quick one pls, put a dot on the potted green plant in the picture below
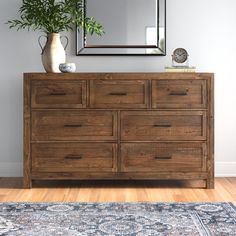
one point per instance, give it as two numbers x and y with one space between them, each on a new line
53 17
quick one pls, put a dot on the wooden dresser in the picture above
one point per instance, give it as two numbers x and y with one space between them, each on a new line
118 126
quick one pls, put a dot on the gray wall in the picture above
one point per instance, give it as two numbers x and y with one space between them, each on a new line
205 28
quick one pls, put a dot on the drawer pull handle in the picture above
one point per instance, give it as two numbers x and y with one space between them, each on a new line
118 94
73 157
73 126
163 158
178 93
57 94
66 174
162 126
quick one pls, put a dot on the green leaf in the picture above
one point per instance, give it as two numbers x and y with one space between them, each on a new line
52 16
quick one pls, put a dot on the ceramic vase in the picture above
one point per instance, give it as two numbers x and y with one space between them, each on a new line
53 53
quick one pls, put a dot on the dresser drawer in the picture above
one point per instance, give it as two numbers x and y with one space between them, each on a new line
159 125
67 157
119 94
163 157
73 125
58 94
179 94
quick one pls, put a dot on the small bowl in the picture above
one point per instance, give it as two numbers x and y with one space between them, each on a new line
67 67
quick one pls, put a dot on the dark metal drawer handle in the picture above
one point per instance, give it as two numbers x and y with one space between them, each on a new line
73 157
163 158
118 94
164 126
73 126
57 94
178 93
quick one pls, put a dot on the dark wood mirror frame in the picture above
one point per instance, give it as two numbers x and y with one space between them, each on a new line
83 49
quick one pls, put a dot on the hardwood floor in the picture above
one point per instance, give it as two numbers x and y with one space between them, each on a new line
118 191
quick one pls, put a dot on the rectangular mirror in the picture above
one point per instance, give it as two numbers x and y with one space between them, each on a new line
132 27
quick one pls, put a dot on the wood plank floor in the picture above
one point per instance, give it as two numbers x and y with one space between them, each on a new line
118 191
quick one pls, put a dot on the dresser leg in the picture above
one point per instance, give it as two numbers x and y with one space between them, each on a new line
210 183
27 183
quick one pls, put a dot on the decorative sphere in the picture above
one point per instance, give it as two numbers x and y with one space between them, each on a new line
67 67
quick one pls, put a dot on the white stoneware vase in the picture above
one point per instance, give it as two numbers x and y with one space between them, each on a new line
53 53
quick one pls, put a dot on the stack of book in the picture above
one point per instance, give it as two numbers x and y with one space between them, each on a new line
180 69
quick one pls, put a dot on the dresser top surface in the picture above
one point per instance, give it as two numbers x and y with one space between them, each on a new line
118 75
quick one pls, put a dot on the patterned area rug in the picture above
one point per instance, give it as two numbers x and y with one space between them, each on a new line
141 219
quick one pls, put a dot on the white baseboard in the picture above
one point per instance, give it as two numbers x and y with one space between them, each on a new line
225 169
15 169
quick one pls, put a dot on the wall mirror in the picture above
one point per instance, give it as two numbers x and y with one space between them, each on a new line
132 27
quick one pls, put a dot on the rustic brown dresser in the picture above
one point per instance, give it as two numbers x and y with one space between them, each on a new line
119 126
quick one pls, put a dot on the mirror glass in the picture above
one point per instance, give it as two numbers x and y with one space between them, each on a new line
132 27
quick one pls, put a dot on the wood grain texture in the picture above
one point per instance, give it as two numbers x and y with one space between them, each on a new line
58 94
163 125
154 175
72 125
73 157
117 76
27 130
179 94
119 126
118 191
119 94
210 129
163 157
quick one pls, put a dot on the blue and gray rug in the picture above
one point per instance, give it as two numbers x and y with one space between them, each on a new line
133 219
